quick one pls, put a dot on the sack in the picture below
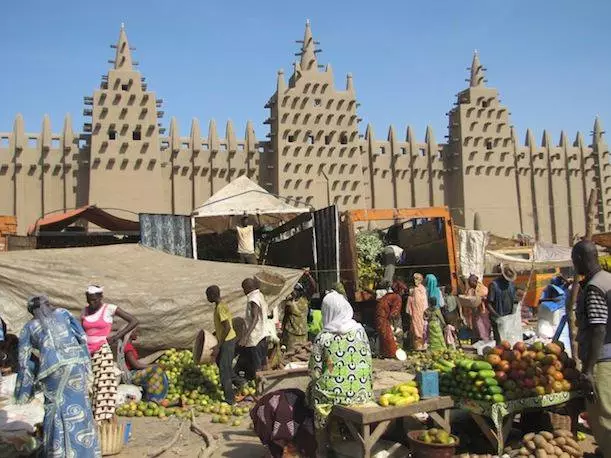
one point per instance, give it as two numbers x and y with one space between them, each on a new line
128 393
510 326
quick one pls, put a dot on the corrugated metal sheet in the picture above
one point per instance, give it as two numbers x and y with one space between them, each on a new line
169 233
327 246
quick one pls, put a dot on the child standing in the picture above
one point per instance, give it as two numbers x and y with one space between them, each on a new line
436 325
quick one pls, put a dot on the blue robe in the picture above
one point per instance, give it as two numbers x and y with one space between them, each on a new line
54 357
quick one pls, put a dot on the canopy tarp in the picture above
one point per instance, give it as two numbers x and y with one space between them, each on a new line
544 255
242 197
59 221
164 292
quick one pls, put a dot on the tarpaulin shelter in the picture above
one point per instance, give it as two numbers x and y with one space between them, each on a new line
57 222
544 255
240 197
164 292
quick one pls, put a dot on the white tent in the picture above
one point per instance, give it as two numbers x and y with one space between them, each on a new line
544 255
241 197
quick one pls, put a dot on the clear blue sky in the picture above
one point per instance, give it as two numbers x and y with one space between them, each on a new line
213 59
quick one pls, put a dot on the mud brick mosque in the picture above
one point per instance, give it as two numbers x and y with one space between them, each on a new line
313 154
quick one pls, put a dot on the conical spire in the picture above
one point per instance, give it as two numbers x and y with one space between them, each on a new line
68 133
230 137
579 141
563 139
18 132
308 48
196 135
429 138
174 135
45 138
281 84
530 139
597 133
546 141
213 138
250 137
392 139
349 83
477 72
123 56
369 136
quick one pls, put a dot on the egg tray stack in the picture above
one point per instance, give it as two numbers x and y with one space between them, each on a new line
106 392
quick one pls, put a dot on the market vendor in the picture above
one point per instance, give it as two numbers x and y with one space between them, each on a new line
150 377
246 241
501 298
340 364
295 320
97 320
416 306
478 318
594 340
435 338
388 311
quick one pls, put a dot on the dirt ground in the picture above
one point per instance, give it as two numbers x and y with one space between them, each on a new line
150 435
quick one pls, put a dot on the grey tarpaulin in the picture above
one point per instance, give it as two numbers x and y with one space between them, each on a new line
165 292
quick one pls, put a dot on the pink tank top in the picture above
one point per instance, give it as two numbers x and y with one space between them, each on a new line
97 326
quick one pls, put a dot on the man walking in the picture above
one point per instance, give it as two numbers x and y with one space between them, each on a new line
501 298
594 341
226 337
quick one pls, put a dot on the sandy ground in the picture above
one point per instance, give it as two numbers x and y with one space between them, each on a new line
149 435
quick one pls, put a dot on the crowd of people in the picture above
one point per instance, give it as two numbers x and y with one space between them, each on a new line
60 353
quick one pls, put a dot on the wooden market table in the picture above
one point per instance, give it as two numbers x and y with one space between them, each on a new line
502 414
272 380
361 420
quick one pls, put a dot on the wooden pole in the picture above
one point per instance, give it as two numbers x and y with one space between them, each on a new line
570 306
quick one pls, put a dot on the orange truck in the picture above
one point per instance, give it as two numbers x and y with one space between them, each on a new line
427 238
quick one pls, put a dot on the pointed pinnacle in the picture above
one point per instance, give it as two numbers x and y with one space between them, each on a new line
308 56
477 72
123 56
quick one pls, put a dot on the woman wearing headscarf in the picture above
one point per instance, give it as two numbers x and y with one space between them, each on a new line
295 320
478 318
432 290
388 310
60 368
417 305
97 319
340 364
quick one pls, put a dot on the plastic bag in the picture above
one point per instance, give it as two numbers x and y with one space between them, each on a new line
128 393
510 326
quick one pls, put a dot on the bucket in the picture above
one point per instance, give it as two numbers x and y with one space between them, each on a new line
202 350
423 450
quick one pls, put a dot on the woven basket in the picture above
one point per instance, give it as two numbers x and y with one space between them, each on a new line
202 349
471 302
112 435
270 283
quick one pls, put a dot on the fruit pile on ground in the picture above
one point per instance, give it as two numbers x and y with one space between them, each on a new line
436 436
547 445
403 394
191 387
472 380
419 361
532 371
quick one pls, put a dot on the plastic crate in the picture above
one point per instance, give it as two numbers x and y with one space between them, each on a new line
428 381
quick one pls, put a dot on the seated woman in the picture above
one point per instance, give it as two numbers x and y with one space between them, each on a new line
340 364
151 378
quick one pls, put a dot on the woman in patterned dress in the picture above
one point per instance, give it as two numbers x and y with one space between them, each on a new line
60 368
97 319
388 310
340 364
295 320
150 377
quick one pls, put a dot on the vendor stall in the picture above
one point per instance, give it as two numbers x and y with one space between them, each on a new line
502 414
368 423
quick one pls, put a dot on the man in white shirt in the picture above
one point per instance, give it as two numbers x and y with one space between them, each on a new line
391 256
246 242
254 340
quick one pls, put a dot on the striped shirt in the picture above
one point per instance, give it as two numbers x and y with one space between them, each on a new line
596 307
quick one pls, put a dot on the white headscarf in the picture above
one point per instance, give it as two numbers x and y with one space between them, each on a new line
337 314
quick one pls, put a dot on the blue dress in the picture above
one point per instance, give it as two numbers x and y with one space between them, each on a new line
60 370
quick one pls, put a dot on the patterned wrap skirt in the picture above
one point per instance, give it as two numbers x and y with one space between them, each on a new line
153 381
69 430
105 383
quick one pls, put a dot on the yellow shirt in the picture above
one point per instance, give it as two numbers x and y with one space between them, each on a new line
222 314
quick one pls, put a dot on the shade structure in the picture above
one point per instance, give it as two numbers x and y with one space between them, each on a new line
242 197
59 221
